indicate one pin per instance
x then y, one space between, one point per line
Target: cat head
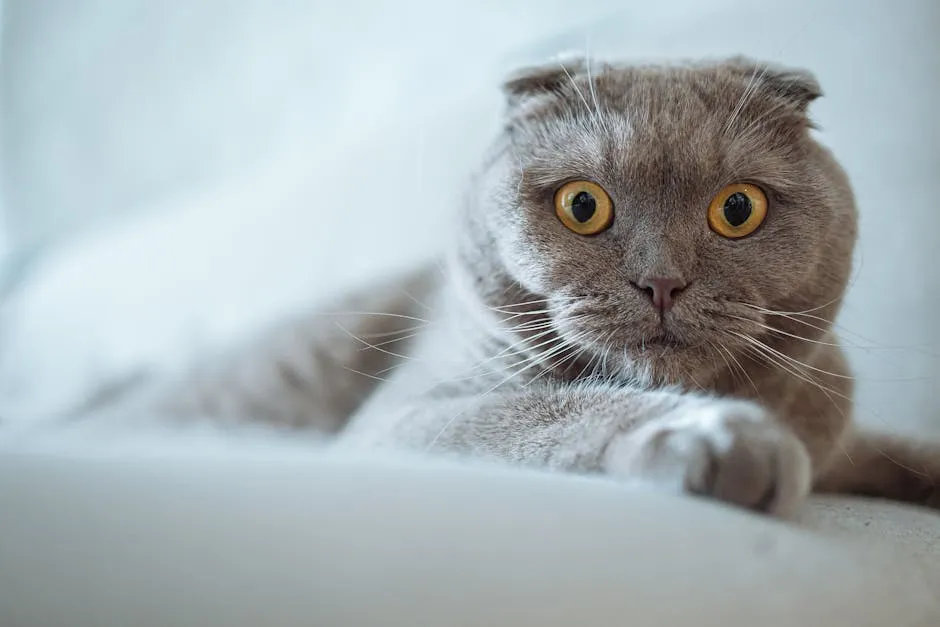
660 217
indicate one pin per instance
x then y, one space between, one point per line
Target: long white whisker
533 325
797 362
367 375
503 308
451 420
573 352
396 332
367 344
580 94
523 344
731 370
535 312
743 371
798 313
392 341
792 316
773 329
597 108
586 366
372 313
762 350
415 300
565 347
751 87
811 381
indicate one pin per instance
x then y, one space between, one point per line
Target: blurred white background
178 173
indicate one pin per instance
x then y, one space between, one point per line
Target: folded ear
529 86
794 85
540 79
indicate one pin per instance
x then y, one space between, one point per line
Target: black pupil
737 209
583 206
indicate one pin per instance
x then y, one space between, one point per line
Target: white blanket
266 533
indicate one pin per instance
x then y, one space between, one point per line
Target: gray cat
643 284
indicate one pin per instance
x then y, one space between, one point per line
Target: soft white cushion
268 533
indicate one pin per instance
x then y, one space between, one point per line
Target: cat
642 284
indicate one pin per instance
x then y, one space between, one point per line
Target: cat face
657 214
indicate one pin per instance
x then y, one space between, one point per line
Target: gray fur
532 344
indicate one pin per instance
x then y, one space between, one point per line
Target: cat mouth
664 340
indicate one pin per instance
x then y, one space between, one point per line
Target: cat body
643 284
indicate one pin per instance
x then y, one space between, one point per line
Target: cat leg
887 467
310 372
730 450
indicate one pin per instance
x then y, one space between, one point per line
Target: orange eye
737 210
584 207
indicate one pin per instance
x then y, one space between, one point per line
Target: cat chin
662 364
671 364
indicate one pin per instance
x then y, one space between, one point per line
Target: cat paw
733 451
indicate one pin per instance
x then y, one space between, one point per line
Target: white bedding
267 533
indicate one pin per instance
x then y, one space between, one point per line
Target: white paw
733 451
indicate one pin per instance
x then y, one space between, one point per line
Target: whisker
390 368
510 350
481 366
372 313
744 372
755 126
749 90
778 331
522 342
366 374
809 379
734 373
453 418
571 349
601 358
827 392
580 94
392 341
808 311
503 308
382 334
590 77
586 366
793 360
843 332
367 344
687 374
530 326
759 349
534 312
414 300
605 350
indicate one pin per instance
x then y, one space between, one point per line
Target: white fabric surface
273 534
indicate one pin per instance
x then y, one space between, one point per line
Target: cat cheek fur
525 255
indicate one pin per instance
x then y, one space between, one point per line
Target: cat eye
584 207
737 210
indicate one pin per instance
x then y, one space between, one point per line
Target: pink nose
662 292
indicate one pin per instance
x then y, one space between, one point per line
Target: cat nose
662 291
